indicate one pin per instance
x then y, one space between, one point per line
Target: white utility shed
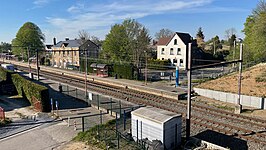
157 124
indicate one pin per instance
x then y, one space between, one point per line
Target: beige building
69 52
174 49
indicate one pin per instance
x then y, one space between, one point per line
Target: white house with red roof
174 49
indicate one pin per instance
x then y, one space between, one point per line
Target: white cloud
99 17
40 3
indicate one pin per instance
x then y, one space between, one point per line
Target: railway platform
161 88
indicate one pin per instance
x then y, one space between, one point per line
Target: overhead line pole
239 109
188 93
37 64
189 69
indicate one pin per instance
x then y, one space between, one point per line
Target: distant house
69 52
174 49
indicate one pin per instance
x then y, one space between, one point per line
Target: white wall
157 131
167 48
245 100
146 129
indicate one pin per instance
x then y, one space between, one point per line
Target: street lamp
146 67
86 71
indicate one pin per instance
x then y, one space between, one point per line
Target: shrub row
5 75
158 64
125 70
37 95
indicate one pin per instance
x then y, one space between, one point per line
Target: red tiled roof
164 41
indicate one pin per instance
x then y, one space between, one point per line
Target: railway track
225 122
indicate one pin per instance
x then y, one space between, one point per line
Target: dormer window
175 42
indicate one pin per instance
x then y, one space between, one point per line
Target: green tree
255 34
4 47
200 38
126 42
163 33
115 46
139 40
29 36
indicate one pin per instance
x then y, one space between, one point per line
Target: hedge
124 70
5 75
158 64
37 95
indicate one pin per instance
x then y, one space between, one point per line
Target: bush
37 95
158 64
5 75
125 71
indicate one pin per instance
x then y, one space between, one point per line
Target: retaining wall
251 101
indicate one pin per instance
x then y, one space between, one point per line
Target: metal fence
117 136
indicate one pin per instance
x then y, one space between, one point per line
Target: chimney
67 38
54 41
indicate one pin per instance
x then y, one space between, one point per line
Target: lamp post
146 67
28 49
86 71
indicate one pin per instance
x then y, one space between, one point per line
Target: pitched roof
69 43
164 40
75 43
185 37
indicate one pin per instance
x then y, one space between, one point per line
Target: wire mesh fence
113 136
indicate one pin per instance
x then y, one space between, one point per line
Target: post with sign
52 106
176 76
56 106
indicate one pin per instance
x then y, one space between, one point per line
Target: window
162 58
75 53
174 61
181 62
67 53
178 51
59 52
162 51
171 51
63 53
175 42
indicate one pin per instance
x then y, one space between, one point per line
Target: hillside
253 82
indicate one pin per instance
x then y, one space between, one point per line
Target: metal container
157 124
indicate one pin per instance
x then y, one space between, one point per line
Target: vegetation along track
244 127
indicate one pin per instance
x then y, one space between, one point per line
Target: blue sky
64 18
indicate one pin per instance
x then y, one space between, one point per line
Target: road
47 136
